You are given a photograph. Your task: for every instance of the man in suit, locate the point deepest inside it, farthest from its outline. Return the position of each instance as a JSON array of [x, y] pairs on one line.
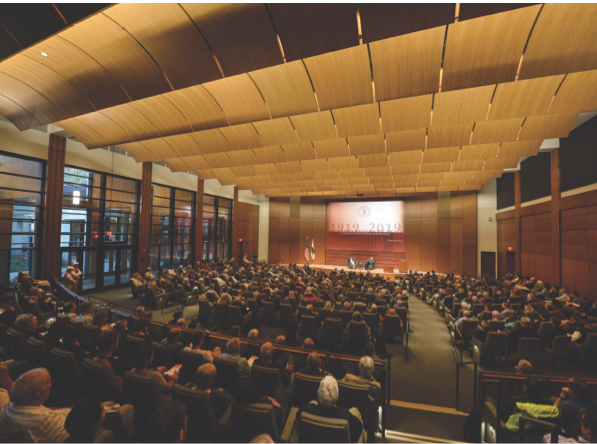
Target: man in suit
[[352, 262]]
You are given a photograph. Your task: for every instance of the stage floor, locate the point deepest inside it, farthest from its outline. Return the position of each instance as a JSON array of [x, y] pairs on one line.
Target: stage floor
[[356, 270]]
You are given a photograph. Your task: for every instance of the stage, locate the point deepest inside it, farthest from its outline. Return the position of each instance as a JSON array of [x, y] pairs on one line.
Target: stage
[[356, 270]]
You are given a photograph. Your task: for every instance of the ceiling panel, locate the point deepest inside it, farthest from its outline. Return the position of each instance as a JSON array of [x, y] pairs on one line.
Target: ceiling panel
[[563, 40], [172, 39], [383, 20], [299, 151], [470, 11], [18, 116], [160, 148], [120, 54], [84, 72], [211, 141], [405, 158], [405, 169], [415, 59], [441, 154], [282, 177], [177, 164], [341, 78], [445, 136], [241, 35], [577, 93], [524, 98], [242, 137], [289, 167], [462, 106], [331, 148], [34, 103], [112, 132], [357, 120], [343, 163], [270, 154], [199, 108], [166, 117], [327, 174], [519, 149], [406, 140], [239, 98], [406, 114], [496, 131], [304, 175], [138, 126], [487, 173], [268, 168], [366, 144], [217, 160], [378, 171], [547, 127], [315, 165], [184, 145], [286, 89], [435, 167], [309, 29], [475, 152], [276, 132], [351, 173], [205, 174], [373, 160], [138, 152], [242, 158], [337, 183], [501, 163], [468, 165], [197, 163], [402, 178], [486, 50], [314, 126], [86, 134]]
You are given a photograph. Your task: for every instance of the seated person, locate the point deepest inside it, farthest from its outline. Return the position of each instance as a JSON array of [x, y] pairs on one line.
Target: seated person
[[524, 367], [308, 344], [167, 424], [99, 320], [327, 397], [220, 398], [8, 315], [172, 340], [357, 318], [524, 331], [85, 420], [107, 344], [366, 367], [588, 429], [481, 333], [195, 348], [553, 329], [313, 366], [233, 347], [142, 331], [70, 343], [267, 360], [573, 398], [27, 324], [142, 359], [245, 392], [86, 313]]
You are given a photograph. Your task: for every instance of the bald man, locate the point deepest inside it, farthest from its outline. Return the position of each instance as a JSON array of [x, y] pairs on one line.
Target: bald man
[[282, 364]]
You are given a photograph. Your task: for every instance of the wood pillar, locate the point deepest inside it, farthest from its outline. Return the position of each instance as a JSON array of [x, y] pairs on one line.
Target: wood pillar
[[235, 222], [556, 257], [517, 243], [50, 263], [199, 222], [145, 218]]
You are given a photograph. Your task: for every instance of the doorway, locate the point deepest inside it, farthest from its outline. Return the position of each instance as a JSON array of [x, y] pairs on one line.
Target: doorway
[[510, 262], [488, 263]]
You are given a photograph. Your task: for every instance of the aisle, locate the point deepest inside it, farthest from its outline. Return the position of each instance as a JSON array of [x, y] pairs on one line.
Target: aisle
[[429, 377]]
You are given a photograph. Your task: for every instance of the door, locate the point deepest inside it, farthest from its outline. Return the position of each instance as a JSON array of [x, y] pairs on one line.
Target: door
[[510, 262], [488, 263]]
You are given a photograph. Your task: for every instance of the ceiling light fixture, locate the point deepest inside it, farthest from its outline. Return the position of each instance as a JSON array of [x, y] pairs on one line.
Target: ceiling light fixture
[[44, 54]]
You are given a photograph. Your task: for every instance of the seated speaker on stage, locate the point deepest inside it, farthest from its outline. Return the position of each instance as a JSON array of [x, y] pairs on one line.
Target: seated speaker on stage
[[352, 262], [370, 264]]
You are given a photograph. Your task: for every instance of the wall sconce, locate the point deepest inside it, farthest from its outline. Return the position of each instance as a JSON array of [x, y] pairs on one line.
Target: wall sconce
[[76, 197]]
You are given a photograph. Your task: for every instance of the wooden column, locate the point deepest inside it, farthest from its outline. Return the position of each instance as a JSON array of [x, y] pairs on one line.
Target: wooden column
[[199, 222], [145, 217], [50, 261], [235, 222], [517, 243], [556, 258]]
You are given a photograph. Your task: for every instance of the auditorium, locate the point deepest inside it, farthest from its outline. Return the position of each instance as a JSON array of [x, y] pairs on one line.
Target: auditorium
[[242, 222]]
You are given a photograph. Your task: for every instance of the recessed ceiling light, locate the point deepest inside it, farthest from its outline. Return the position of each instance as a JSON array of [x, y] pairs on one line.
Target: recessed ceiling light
[[44, 54]]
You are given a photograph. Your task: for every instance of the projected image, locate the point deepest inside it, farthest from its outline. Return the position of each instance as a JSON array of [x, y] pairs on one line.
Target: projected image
[[365, 226]]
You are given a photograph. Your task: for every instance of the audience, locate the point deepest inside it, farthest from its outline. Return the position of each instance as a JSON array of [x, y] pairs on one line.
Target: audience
[[142, 360], [233, 354], [220, 398]]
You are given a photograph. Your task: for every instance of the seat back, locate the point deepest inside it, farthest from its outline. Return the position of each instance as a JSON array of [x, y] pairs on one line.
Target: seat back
[[162, 355], [478, 308], [495, 325], [332, 331], [323, 313], [134, 343], [357, 335], [286, 316], [65, 370], [204, 310], [201, 420], [235, 315], [93, 333], [308, 327], [269, 311], [142, 392], [39, 355], [190, 362], [219, 312], [312, 428], [251, 420], [467, 326], [561, 347], [346, 316], [228, 373], [495, 343], [253, 306], [403, 313], [355, 395], [63, 319], [18, 345], [267, 379], [392, 325], [589, 347], [371, 320], [98, 378], [305, 389], [529, 348]]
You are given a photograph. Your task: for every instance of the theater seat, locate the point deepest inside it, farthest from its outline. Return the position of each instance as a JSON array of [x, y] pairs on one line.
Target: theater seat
[[248, 421], [66, 372], [201, 421], [142, 392], [312, 428]]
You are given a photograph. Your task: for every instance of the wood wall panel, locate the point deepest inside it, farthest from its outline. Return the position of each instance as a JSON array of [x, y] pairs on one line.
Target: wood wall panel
[[248, 229], [145, 217]]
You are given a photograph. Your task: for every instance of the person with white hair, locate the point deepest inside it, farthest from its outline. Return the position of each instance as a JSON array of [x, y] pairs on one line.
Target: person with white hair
[[253, 335], [366, 367], [327, 397], [233, 354]]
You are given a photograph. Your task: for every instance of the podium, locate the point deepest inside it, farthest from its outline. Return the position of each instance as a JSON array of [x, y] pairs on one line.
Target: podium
[[388, 269]]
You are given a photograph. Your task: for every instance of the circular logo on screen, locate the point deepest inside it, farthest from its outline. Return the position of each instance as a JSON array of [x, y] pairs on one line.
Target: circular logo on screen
[[363, 211]]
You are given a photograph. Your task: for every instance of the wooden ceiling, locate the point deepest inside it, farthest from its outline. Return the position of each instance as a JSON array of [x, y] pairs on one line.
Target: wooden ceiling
[[321, 99]]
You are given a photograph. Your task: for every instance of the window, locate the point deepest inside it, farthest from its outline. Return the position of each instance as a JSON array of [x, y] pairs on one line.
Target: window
[[217, 228], [99, 220], [21, 198]]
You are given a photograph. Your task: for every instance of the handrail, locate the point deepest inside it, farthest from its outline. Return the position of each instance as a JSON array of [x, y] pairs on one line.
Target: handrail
[[524, 419], [458, 365], [482, 384]]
